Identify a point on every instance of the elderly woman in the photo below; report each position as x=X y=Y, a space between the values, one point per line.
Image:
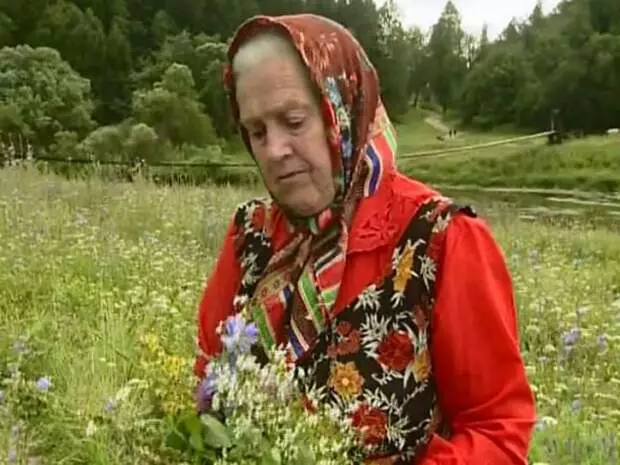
x=396 y=301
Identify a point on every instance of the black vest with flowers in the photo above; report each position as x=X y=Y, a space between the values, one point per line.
x=373 y=360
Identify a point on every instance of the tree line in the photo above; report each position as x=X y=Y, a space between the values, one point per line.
x=124 y=78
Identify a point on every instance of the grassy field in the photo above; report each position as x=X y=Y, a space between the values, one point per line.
x=589 y=164
x=98 y=291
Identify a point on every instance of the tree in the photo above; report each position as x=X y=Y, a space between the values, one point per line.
x=172 y=110
x=447 y=63
x=78 y=37
x=418 y=64
x=394 y=45
x=115 y=90
x=44 y=92
x=204 y=56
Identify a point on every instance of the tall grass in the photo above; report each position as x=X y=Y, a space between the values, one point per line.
x=99 y=284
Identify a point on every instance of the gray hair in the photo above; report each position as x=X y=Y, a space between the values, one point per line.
x=265 y=45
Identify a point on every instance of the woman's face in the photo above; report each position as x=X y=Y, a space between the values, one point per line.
x=287 y=135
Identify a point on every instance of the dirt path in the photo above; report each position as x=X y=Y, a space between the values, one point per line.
x=435 y=122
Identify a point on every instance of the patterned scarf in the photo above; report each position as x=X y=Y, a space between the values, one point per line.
x=299 y=286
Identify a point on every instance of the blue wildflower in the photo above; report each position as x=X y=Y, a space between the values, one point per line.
x=576 y=405
x=570 y=338
x=238 y=336
x=602 y=341
x=44 y=384
x=110 y=406
x=545 y=422
x=11 y=456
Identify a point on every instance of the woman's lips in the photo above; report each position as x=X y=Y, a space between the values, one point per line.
x=291 y=175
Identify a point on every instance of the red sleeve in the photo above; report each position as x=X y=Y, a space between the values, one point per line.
x=481 y=380
x=217 y=301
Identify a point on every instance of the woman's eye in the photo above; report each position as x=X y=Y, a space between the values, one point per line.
x=257 y=133
x=296 y=123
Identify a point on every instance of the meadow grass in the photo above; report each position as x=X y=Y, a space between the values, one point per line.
x=99 y=284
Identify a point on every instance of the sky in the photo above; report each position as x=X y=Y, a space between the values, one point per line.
x=474 y=13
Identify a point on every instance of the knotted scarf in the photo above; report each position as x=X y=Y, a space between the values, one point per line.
x=299 y=286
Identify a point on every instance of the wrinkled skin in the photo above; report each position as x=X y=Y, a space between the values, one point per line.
x=287 y=135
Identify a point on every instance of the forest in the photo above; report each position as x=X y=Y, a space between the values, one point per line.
x=120 y=79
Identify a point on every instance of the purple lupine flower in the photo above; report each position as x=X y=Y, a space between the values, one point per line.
x=576 y=405
x=44 y=384
x=238 y=336
x=11 y=456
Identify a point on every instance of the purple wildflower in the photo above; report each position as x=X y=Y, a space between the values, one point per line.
x=602 y=341
x=576 y=405
x=570 y=338
x=11 y=456
x=44 y=384
x=238 y=336
x=205 y=391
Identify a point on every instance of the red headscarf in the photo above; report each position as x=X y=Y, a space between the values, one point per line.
x=309 y=268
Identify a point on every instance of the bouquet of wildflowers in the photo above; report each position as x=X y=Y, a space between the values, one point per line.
x=252 y=413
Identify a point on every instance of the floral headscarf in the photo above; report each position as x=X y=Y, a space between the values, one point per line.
x=301 y=281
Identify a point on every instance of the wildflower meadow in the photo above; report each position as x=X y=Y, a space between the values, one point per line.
x=99 y=285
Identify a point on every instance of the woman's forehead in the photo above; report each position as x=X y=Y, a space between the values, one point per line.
x=272 y=88
x=273 y=106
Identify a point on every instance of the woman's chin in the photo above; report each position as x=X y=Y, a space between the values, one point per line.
x=305 y=204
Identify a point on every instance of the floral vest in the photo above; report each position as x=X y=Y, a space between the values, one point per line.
x=373 y=360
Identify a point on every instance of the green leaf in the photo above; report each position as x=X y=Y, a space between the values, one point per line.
x=175 y=440
x=216 y=434
x=210 y=455
x=272 y=457
x=196 y=442
x=193 y=424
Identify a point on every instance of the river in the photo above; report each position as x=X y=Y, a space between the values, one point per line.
x=539 y=204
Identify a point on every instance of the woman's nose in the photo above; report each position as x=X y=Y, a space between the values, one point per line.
x=277 y=145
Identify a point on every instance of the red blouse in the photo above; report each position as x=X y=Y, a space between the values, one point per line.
x=482 y=386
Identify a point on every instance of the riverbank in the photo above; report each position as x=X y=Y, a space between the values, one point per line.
x=590 y=164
